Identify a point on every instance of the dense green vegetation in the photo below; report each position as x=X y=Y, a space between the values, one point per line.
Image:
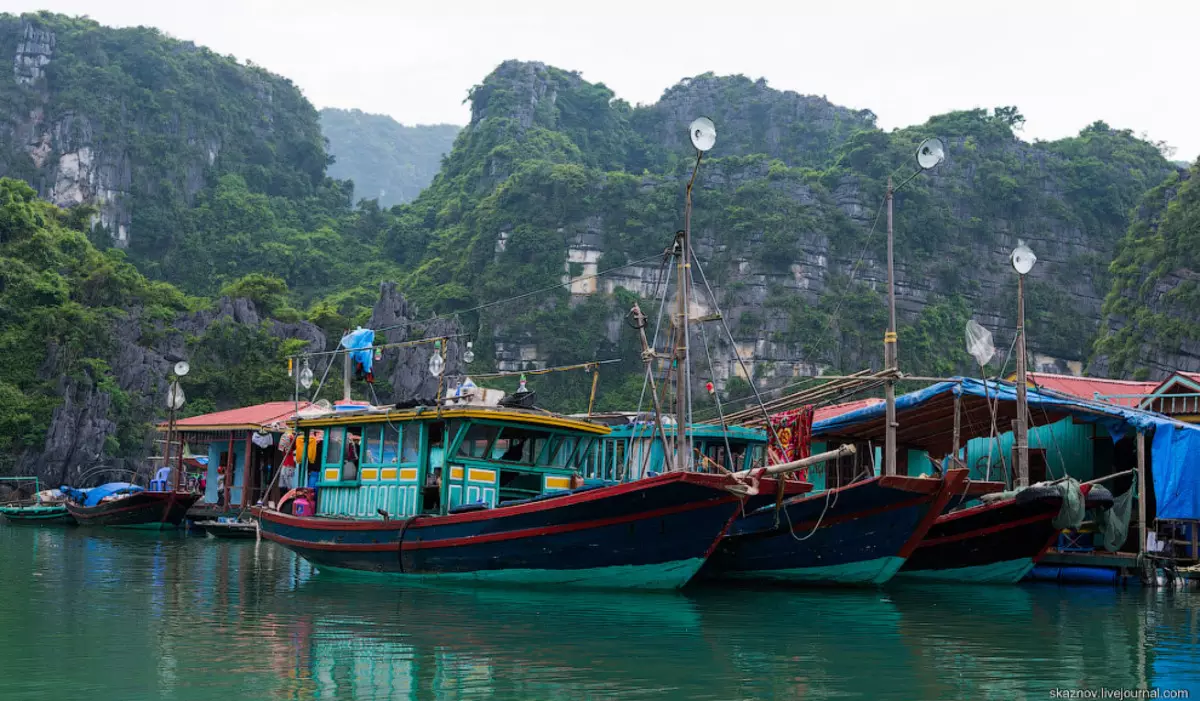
x=387 y=161
x=1152 y=308
x=60 y=299
x=231 y=193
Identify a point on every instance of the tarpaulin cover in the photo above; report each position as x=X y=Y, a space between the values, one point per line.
x=358 y=342
x=1175 y=451
x=93 y=496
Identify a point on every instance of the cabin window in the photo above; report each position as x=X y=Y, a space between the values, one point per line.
x=391 y=445
x=372 y=451
x=561 y=449
x=335 y=438
x=518 y=445
x=477 y=440
x=582 y=460
x=410 y=446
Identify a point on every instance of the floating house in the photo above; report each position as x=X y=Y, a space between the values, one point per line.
x=244 y=442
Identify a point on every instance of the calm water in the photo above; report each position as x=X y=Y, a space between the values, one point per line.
x=109 y=615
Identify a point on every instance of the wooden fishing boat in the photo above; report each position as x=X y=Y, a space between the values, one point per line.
x=39 y=514
x=229 y=529
x=503 y=502
x=125 y=505
x=992 y=543
x=858 y=534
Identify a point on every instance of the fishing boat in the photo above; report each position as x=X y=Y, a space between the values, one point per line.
x=858 y=534
x=994 y=543
x=125 y=505
x=45 y=508
x=486 y=493
x=229 y=528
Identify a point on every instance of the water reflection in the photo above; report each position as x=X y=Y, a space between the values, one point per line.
x=135 y=615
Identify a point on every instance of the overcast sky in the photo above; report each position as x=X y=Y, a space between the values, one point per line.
x=1065 y=64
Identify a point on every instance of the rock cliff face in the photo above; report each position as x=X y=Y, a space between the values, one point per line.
x=142 y=357
x=1152 y=314
x=556 y=175
x=406 y=370
x=135 y=124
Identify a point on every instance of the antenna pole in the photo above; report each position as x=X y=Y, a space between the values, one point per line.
x=683 y=390
x=1022 y=433
x=346 y=375
x=889 y=346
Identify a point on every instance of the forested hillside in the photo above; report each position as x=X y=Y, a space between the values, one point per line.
x=203 y=185
x=387 y=161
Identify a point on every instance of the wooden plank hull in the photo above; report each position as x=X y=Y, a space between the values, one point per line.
x=653 y=533
x=146 y=510
x=859 y=534
x=38 y=515
x=994 y=543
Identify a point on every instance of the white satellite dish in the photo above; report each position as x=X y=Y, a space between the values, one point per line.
x=1023 y=258
x=182 y=368
x=703 y=133
x=930 y=153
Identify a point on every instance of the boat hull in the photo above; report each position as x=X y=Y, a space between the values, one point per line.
x=990 y=544
x=142 y=510
x=648 y=534
x=38 y=515
x=854 y=535
x=239 y=530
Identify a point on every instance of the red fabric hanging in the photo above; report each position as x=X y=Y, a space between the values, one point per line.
x=790 y=437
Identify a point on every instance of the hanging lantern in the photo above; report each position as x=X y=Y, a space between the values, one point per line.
x=436 y=364
x=378 y=354
x=469 y=354
x=306 y=375
x=521 y=389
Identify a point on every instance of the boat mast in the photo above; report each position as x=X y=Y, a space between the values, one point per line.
x=1022 y=261
x=703 y=134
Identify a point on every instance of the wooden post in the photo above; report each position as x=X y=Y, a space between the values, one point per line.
x=957 y=427
x=889 y=348
x=1021 y=430
x=1141 y=487
x=228 y=477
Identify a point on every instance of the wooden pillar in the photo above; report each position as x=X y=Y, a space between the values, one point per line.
x=1141 y=487
x=228 y=477
x=957 y=428
x=246 y=472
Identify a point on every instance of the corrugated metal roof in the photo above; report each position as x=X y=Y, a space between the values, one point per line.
x=256 y=415
x=1088 y=387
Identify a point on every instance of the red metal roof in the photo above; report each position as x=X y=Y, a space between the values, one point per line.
x=1088 y=387
x=828 y=412
x=248 y=416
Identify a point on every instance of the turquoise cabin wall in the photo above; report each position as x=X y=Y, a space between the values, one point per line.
x=214 y=462
x=1068 y=446
x=239 y=471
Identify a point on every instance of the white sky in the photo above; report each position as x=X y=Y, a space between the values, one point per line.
x=1065 y=64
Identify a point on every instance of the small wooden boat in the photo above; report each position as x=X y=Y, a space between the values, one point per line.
x=857 y=534
x=992 y=543
x=124 y=505
x=229 y=529
x=40 y=514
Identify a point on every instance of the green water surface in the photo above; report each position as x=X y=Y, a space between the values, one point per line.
x=97 y=615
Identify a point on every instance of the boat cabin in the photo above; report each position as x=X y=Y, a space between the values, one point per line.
x=635 y=449
x=388 y=463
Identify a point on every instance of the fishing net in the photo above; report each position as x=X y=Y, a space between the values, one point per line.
x=1073 y=506
x=1114 y=522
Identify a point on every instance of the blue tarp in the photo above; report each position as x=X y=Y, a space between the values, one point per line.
x=358 y=342
x=1174 y=453
x=91 y=497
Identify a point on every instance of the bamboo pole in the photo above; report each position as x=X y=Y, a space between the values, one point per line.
x=957 y=426
x=841 y=451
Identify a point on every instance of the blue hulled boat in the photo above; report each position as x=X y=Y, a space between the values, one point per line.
x=488 y=493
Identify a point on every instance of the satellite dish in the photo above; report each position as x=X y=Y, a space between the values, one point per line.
x=703 y=133
x=1023 y=258
x=182 y=368
x=930 y=153
x=979 y=343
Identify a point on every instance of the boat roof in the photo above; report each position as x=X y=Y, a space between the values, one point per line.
x=527 y=417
